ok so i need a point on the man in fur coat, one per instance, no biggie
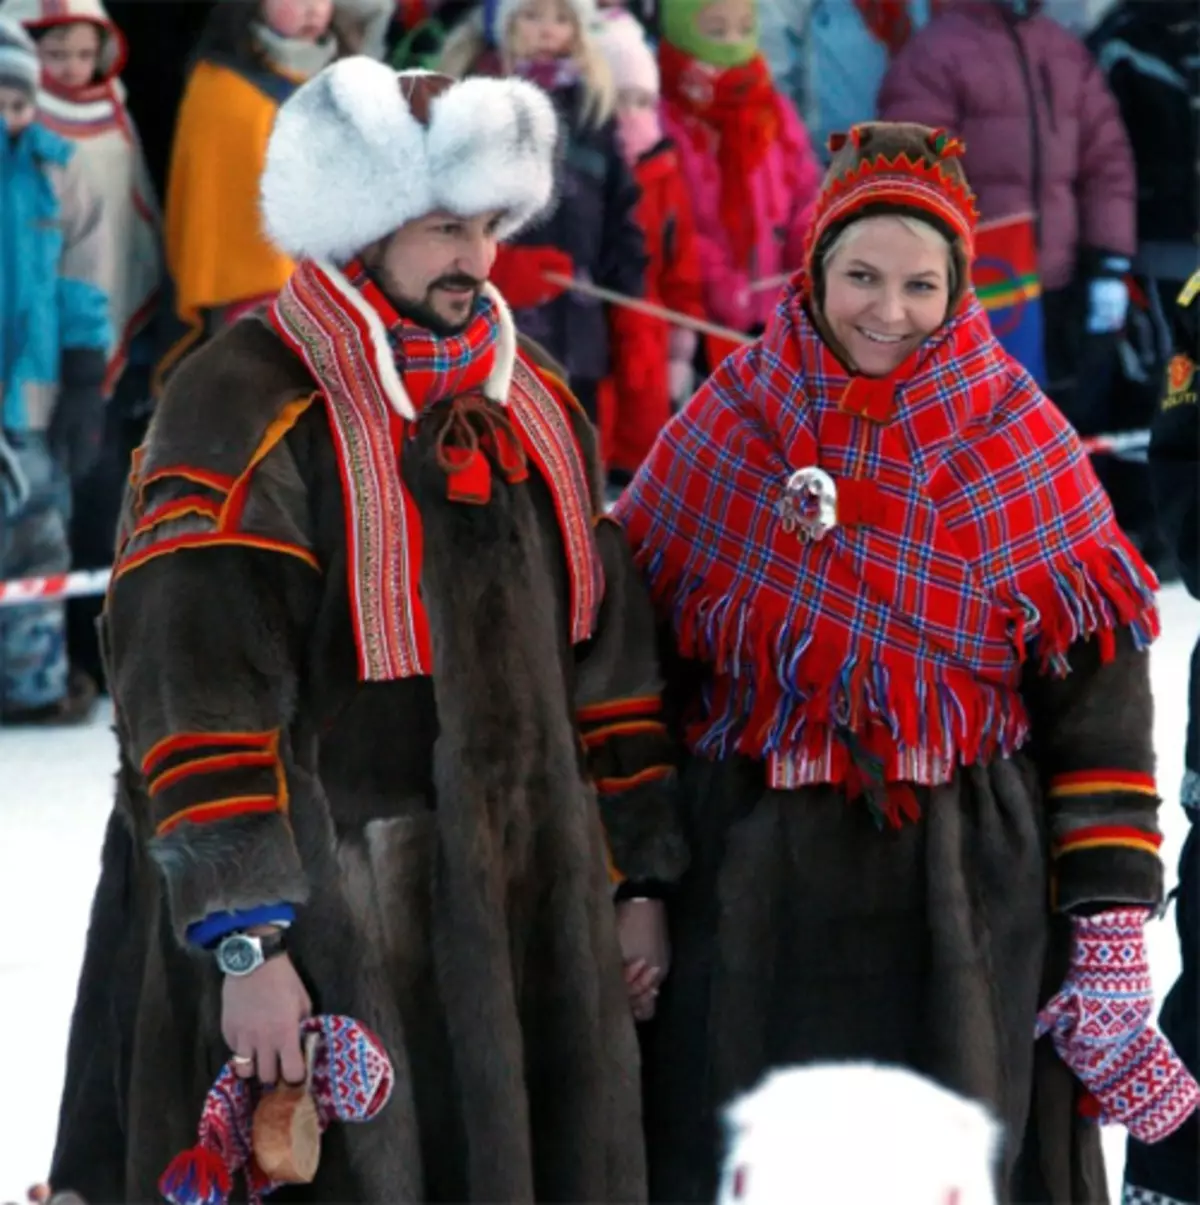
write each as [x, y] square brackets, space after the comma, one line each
[387, 697]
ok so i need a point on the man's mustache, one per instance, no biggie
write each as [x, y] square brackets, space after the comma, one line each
[458, 280]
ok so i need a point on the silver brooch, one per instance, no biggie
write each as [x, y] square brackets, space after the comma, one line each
[808, 506]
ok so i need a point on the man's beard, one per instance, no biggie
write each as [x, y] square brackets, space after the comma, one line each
[423, 314]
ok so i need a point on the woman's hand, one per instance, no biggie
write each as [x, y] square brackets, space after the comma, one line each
[646, 951]
[260, 1020]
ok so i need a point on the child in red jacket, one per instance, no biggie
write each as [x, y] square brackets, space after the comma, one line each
[652, 360]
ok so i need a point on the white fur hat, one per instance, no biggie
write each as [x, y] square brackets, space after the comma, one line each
[622, 40]
[799, 1137]
[360, 150]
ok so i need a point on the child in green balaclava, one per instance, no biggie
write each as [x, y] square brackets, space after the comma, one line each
[744, 151]
[722, 33]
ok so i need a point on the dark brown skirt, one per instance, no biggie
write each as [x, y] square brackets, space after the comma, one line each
[803, 933]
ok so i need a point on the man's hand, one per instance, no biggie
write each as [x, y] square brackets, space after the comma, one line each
[645, 948]
[260, 1020]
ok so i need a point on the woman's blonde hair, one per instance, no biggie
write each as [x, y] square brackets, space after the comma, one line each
[464, 46]
[925, 231]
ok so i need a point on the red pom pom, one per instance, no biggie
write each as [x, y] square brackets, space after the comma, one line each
[835, 142]
[196, 1177]
[1089, 1107]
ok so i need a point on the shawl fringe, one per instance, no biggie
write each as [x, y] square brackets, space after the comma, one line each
[775, 696]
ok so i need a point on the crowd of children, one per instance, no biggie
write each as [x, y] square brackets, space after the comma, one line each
[695, 137]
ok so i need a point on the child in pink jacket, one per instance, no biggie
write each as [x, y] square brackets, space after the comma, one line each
[744, 152]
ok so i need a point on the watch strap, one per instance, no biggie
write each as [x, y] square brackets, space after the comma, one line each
[273, 944]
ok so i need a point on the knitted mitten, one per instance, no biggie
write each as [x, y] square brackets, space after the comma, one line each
[351, 1081]
[1100, 1023]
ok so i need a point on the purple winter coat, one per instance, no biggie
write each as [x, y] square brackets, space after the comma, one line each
[1043, 132]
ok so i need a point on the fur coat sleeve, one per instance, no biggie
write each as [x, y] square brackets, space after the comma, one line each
[1093, 742]
[629, 753]
[215, 586]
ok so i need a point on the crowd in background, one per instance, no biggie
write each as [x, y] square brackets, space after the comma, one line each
[696, 137]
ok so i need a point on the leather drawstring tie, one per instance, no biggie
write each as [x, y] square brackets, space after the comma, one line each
[471, 427]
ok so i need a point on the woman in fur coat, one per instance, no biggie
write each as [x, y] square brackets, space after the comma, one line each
[396, 725]
[913, 678]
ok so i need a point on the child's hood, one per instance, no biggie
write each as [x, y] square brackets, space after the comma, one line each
[43, 14]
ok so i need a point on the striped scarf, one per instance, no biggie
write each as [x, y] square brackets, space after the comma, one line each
[971, 530]
[434, 366]
[376, 372]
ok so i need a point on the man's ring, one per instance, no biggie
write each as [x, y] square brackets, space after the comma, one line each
[243, 1059]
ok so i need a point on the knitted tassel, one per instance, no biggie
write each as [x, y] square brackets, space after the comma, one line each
[196, 1177]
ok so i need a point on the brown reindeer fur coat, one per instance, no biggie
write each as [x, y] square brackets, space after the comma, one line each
[801, 932]
[444, 832]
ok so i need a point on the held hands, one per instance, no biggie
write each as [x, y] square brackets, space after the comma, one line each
[260, 1020]
[645, 948]
[1100, 1024]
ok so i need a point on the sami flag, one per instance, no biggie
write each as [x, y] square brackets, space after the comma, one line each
[1006, 282]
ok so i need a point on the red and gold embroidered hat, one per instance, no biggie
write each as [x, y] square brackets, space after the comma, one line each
[884, 167]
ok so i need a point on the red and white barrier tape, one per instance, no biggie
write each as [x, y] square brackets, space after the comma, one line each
[1126, 445]
[81, 584]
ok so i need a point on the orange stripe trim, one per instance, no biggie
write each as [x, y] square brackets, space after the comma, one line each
[176, 510]
[211, 765]
[1146, 846]
[598, 736]
[181, 742]
[213, 481]
[611, 786]
[213, 540]
[221, 809]
[615, 877]
[616, 709]
[1095, 835]
[173, 355]
[284, 421]
[1088, 782]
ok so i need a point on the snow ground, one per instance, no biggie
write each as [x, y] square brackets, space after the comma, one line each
[55, 793]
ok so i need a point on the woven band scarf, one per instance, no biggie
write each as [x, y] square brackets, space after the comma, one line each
[376, 373]
[970, 529]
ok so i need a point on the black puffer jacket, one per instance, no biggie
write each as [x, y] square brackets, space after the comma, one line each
[594, 224]
[1147, 49]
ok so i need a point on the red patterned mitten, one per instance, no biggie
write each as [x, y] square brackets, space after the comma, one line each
[351, 1081]
[1100, 1023]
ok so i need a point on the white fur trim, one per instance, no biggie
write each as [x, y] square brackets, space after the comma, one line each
[381, 352]
[347, 163]
[495, 388]
[585, 13]
[858, 1134]
[499, 380]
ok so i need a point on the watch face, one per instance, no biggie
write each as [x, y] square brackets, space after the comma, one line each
[238, 955]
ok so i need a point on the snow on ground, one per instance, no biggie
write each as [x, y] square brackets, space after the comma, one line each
[55, 791]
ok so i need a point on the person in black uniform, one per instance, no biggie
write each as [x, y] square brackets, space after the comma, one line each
[1168, 1173]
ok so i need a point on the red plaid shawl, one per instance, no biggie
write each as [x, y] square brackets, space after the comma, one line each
[900, 637]
[376, 373]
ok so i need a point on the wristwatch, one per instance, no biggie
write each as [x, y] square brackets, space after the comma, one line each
[240, 953]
